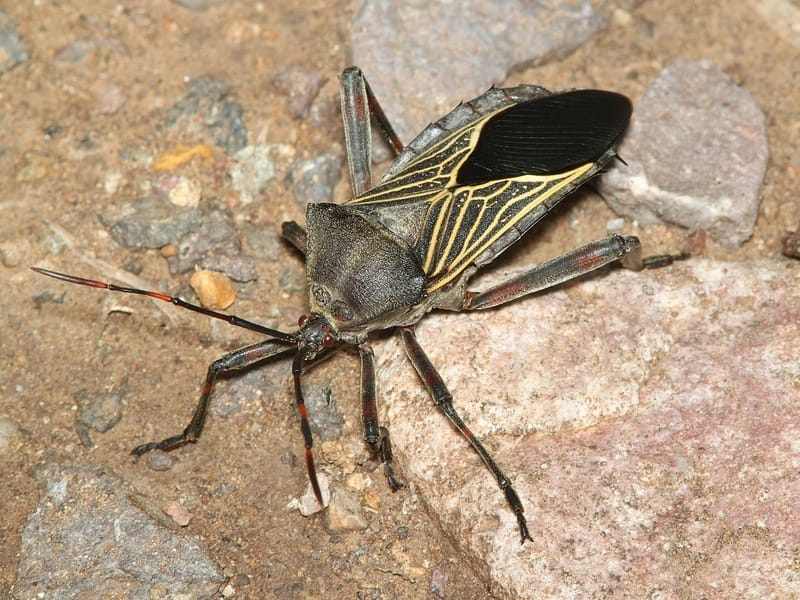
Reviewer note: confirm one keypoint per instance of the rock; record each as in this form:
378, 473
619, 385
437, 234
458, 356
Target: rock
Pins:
149, 223
213, 245
325, 418
197, 5
299, 86
255, 166
10, 435
11, 254
207, 108
12, 48
308, 505
648, 421
99, 412
264, 241
696, 153
214, 290
791, 245
182, 191
158, 460
313, 180
344, 513
423, 58
87, 539
178, 513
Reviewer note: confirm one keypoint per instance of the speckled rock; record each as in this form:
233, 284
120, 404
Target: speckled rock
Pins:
696, 152
12, 48
423, 58
649, 421
87, 538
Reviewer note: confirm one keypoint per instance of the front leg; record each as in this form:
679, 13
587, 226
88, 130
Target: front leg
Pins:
444, 402
358, 105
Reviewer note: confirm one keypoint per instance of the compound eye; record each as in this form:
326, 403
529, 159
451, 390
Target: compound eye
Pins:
328, 340
302, 320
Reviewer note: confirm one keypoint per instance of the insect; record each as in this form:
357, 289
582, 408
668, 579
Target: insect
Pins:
458, 195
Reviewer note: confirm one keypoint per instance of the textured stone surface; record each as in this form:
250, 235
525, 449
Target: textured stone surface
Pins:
12, 48
86, 539
313, 180
422, 58
696, 153
149, 223
649, 422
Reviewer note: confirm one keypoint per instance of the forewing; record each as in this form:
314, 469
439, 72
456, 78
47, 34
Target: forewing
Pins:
477, 191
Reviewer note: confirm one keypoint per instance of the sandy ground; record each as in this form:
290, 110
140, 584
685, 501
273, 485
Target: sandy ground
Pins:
58, 346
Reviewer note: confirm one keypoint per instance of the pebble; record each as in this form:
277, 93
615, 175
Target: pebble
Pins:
252, 170
615, 224
98, 412
158, 460
149, 223
64, 553
213, 245
314, 180
10, 255
438, 583
208, 108
344, 513
12, 48
185, 192
197, 5
263, 241
10, 434
307, 504
696, 152
299, 86
213, 289
75, 51
484, 40
791, 245
178, 513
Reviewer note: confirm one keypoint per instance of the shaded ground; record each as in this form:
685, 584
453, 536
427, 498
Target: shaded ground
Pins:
57, 148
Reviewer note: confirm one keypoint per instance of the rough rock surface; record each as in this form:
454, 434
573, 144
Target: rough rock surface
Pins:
423, 58
87, 538
696, 153
649, 422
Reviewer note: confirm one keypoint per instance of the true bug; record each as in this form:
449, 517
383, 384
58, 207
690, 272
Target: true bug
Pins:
458, 195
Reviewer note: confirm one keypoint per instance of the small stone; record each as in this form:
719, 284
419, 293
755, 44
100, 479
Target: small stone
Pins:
10, 434
615, 224
197, 5
112, 182
185, 192
109, 96
372, 499
622, 17
344, 513
208, 108
314, 180
75, 51
10, 255
299, 86
308, 504
149, 223
158, 460
12, 49
169, 250
175, 158
228, 591
791, 245
358, 481
255, 166
101, 412
438, 583
178, 513
213, 289
697, 153
263, 241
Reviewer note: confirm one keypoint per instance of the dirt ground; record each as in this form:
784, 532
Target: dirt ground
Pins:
56, 151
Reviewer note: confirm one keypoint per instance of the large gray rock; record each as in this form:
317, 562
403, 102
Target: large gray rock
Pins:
87, 539
650, 423
696, 152
422, 58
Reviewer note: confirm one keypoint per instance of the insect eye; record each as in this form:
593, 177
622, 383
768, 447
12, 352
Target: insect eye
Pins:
302, 320
328, 340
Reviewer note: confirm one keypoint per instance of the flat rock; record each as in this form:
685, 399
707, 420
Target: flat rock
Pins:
649, 421
88, 539
149, 223
423, 58
696, 152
